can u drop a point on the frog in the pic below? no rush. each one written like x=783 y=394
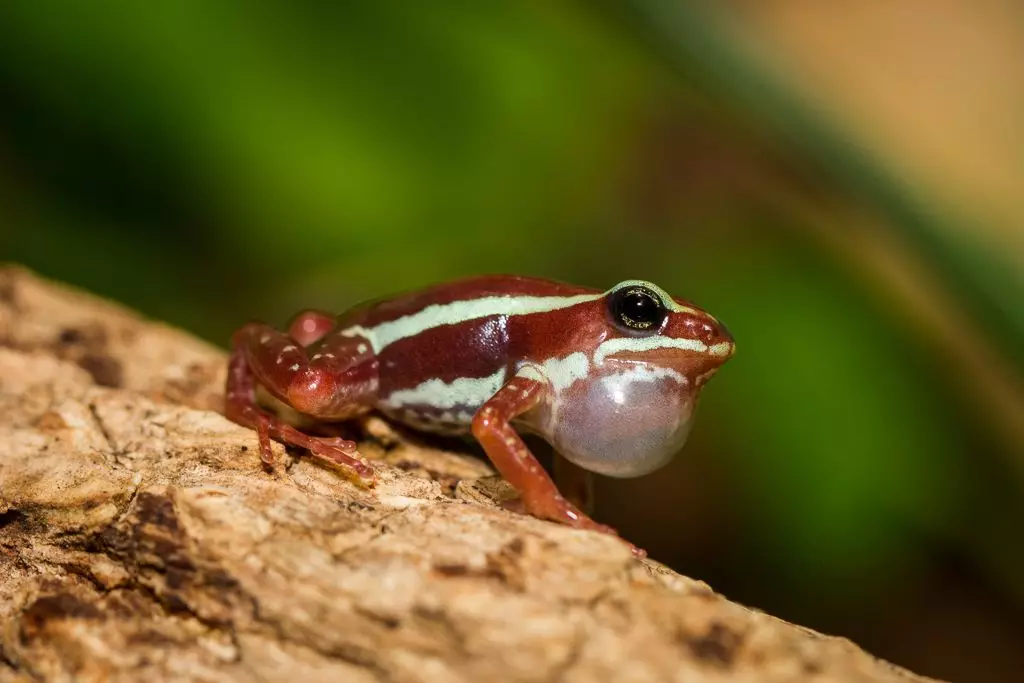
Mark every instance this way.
x=610 y=378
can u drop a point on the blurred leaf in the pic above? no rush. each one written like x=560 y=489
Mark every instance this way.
x=844 y=447
x=329 y=132
x=695 y=40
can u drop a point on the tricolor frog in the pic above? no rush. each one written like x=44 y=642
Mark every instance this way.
x=608 y=378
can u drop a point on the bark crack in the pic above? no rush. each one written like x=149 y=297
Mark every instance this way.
x=103 y=430
x=349 y=654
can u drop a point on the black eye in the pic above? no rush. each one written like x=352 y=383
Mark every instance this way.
x=638 y=308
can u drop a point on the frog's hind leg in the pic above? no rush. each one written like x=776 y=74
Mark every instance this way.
x=335 y=382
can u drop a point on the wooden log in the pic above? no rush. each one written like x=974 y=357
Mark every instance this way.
x=140 y=539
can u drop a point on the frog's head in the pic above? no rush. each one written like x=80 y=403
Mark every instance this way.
x=632 y=410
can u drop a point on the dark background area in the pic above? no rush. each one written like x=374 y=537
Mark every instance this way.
x=840 y=184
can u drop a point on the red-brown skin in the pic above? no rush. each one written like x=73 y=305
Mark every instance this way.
x=329 y=376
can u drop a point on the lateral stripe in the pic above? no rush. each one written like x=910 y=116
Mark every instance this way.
x=611 y=346
x=640 y=373
x=468 y=392
x=383 y=335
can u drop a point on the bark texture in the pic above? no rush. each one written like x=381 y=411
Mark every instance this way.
x=141 y=540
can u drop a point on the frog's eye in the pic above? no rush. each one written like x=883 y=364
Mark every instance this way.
x=637 y=308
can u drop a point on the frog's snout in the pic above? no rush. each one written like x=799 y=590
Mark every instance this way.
x=717 y=338
x=722 y=340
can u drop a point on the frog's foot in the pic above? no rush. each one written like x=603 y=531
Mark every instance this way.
x=240 y=407
x=341 y=452
x=335 y=450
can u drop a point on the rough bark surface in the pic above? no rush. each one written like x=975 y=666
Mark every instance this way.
x=141 y=540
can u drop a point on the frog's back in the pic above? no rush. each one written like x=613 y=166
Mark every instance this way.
x=445 y=349
x=394 y=307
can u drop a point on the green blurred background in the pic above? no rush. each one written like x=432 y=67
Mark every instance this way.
x=840 y=183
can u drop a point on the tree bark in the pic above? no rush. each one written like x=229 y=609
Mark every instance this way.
x=140 y=539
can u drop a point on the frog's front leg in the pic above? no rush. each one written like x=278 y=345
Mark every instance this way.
x=515 y=462
x=327 y=379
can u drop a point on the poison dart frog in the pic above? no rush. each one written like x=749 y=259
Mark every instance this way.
x=608 y=378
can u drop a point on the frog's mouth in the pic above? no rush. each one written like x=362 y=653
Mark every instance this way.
x=708 y=357
x=688 y=362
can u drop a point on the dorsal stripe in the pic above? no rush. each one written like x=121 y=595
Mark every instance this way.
x=387 y=333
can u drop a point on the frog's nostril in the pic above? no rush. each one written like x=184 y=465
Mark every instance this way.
x=721 y=344
x=708 y=329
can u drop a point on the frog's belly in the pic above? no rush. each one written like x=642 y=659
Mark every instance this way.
x=454 y=420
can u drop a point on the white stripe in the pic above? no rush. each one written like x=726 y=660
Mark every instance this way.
x=720 y=349
x=564 y=372
x=468 y=392
x=388 y=333
x=640 y=344
x=643 y=373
